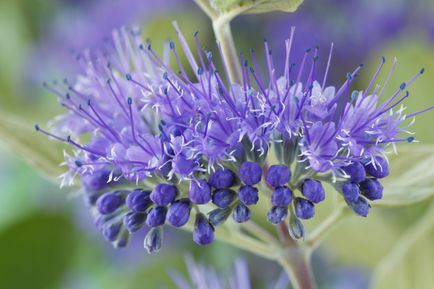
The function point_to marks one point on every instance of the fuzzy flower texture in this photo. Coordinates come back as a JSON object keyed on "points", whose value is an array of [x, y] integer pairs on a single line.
{"points": [[152, 145]]}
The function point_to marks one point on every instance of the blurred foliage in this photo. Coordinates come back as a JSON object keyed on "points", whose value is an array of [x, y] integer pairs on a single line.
{"points": [[257, 6]]}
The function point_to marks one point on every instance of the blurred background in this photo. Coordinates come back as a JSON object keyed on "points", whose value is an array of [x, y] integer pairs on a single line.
{"points": [[47, 237]]}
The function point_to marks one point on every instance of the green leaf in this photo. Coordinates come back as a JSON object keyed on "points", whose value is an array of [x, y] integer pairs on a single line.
{"points": [[36, 252], [256, 6], [411, 177], [410, 263], [37, 149]]}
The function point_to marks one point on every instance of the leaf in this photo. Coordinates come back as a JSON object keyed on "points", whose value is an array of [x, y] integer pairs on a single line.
{"points": [[256, 6], [37, 149], [410, 263], [412, 177], [36, 252]]}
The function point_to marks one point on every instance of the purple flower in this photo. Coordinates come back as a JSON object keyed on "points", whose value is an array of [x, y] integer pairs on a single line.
{"points": [[189, 138]]}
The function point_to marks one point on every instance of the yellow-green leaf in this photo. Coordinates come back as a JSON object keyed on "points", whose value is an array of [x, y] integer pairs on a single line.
{"points": [[256, 6]]}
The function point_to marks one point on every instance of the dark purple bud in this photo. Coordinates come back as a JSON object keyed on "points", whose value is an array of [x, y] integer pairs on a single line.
{"points": [[304, 209], [281, 197], [223, 198], [109, 202], [133, 221], [372, 189], [360, 206], [278, 175], [199, 192], [156, 216], [139, 200], [154, 240], [179, 213], [110, 231], [313, 191], [164, 194], [203, 233], [241, 214], [122, 239], [350, 191], [356, 171], [219, 216], [248, 195], [379, 170], [250, 173], [96, 181], [277, 214], [222, 179], [296, 228]]}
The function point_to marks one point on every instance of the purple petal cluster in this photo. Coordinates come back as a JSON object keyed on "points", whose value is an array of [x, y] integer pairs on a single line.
{"points": [[195, 144]]}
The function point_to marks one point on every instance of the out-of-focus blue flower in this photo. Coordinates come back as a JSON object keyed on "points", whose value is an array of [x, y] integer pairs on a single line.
{"points": [[176, 133]]}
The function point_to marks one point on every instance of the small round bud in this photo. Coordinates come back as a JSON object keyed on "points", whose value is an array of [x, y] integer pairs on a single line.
{"points": [[222, 179], [122, 239], [133, 221], [139, 200], [179, 213], [296, 228], [111, 231], [199, 192], [278, 175], [203, 233], [304, 209], [277, 214], [360, 206], [223, 198], [219, 216], [250, 173], [109, 202], [356, 171], [241, 214], [153, 240], [156, 216], [313, 191], [372, 189], [164, 194], [248, 195], [378, 170], [281, 197], [350, 191]]}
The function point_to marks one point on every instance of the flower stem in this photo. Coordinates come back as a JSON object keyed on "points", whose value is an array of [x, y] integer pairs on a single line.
{"points": [[223, 34], [296, 261]]}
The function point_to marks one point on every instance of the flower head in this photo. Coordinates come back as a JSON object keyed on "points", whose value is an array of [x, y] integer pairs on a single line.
{"points": [[153, 145]]}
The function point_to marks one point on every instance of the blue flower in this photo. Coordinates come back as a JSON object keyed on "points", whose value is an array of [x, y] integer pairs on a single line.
{"points": [[184, 140]]}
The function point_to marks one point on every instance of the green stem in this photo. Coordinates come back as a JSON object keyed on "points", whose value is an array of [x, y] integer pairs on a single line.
{"points": [[223, 34]]}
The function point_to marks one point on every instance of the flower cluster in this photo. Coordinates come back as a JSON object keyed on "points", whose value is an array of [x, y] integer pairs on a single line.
{"points": [[153, 145]]}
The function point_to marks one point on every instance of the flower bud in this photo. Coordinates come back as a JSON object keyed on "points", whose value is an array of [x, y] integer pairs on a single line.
{"points": [[313, 191], [222, 179], [372, 189], [153, 240], [109, 202], [164, 194], [350, 191], [156, 216], [304, 209], [199, 192], [219, 216], [133, 221], [179, 213], [360, 206], [356, 171], [241, 214], [223, 198], [248, 195], [277, 214], [296, 228], [281, 197], [96, 181], [110, 231], [250, 173], [378, 170], [122, 239], [203, 233], [278, 175], [139, 200]]}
